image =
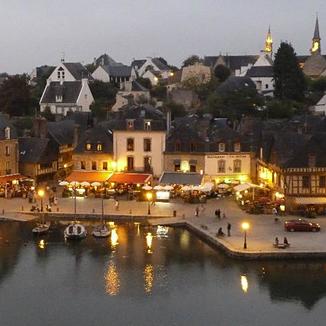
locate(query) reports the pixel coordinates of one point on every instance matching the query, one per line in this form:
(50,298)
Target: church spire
(269,42)
(316,39)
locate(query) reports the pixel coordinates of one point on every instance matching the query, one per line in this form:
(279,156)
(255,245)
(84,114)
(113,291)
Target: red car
(301,225)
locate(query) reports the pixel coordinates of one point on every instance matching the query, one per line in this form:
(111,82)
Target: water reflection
(148,278)
(112,280)
(244,283)
(42,244)
(149,241)
(114,238)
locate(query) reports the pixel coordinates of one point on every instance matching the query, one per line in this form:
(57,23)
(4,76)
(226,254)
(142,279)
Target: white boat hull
(75,231)
(41,229)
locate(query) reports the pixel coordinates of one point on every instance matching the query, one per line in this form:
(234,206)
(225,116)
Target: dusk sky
(37,32)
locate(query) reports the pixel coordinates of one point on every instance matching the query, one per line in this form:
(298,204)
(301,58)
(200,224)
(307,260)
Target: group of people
(220,232)
(285,242)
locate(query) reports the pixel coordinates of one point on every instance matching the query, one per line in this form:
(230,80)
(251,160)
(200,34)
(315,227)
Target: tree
(47,114)
(159,92)
(222,73)
(15,96)
(145,82)
(191,60)
(289,79)
(177,110)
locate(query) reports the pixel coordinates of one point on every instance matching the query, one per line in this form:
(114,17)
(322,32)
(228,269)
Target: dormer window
(7,133)
(130,124)
(61,73)
(58,98)
(237,147)
(221,147)
(88,146)
(147,125)
(99,147)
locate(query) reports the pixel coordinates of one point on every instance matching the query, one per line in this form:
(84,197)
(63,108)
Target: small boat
(162,230)
(41,229)
(75,231)
(101,231)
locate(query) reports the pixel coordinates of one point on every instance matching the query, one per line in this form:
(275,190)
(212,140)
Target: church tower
(315,49)
(269,42)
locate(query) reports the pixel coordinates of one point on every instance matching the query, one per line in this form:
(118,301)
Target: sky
(38,32)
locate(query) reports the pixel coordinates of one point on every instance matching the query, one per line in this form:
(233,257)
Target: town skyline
(139,36)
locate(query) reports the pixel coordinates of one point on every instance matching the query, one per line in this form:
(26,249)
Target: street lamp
(245,227)
(40,192)
(149,197)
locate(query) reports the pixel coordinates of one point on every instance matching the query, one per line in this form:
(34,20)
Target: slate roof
(137,87)
(104,60)
(181,178)
(234,84)
(260,71)
(78,70)
(5,122)
(69,91)
(137,113)
(44,71)
(62,131)
(83,119)
(314,65)
(138,63)
(94,136)
(233,62)
(160,64)
(36,150)
(118,71)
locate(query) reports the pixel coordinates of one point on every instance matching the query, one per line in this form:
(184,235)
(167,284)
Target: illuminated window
(147,125)
(94,165)
(237,166)
(221,166)
(99,147)
(237,147)
(130,144)
(221,147)
(88,146)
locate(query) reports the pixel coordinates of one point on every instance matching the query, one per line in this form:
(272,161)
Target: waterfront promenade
(260,236)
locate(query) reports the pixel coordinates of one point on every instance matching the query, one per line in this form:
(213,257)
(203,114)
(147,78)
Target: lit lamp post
(245,227)
(40,192)
(149,197)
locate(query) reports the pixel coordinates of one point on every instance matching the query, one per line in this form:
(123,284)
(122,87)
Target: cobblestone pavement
(260,237)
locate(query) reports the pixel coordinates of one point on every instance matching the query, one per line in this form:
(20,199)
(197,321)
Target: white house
(113,73)
(320,107)
(64,96)
(69,71)
(153,76)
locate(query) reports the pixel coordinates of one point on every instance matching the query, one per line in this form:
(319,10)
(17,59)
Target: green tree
(159,92)
(15,96)
(177,110)
(191,60)
(222,73)
(289,79)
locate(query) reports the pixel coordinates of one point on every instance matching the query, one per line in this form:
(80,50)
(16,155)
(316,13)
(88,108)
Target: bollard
(174,213)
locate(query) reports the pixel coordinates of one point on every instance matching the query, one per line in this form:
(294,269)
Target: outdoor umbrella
(96,184)
(223,186)
(63,183)
(168,188)
(158,187)
(186,188)
(85,184)
(74,183)
(147,187)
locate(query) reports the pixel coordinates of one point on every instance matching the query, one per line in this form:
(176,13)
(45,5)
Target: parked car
(301,225)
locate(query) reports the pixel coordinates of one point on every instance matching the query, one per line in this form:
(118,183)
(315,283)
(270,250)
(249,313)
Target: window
(221,166)
(266,86)
(88,146)
(192,147)
(130,163)
(322,181)
(177,167)
(305,181)
(130,124)
(82,165)
(130,144)
(147,145)
(177,146)
(99,147)
(221,147)
(7,150)
(61,73)
(237,166)
(192,167)
(7,133)
(147,125)
(105,166)
(147,163)
(237,147)
(58,98)
(94,165)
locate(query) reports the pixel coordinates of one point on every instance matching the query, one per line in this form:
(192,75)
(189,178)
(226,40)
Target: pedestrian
(55,200)
(276,242)
(274,211)
(197,211)
(223,215)
(219,214)
(220,232)
(216,213)
(285,241)
(116,205)
(229,229)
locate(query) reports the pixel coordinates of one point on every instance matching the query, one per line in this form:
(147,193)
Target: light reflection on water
(148,278)
(112,280)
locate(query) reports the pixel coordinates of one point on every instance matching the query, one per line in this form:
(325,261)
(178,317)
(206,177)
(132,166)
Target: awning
(310,200)
(130,178)
(10,177)
(180,178)
(88,176)
(245,186)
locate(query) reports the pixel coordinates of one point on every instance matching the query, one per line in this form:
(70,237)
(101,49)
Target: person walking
(229,229)
(197,211)
(223,216)
(219,214)
(116,205)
